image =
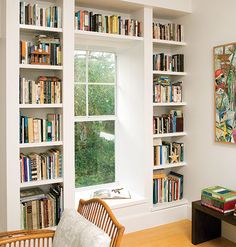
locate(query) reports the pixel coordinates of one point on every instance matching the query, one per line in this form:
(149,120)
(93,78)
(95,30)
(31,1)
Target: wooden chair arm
(23,235)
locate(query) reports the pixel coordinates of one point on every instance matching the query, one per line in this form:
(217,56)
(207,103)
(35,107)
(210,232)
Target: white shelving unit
(168,166)
(41,183)
(33,29)
(166,205)
(170,104)
(168,42)
(40,67)
(166,135)
(157,72)
(40,144)
(39,106)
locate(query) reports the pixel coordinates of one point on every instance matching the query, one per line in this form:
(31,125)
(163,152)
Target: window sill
(112,203)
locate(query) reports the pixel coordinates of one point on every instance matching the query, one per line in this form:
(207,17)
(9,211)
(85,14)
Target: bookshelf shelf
(39,106)
(165,205)
(170,104)
(157,72)
(97,36)
(168,42)
(33,29)
(170,135)
(41,67)
(168,166)
(41,183)
(40,144)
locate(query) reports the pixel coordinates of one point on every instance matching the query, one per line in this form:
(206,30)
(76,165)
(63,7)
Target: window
(95,110)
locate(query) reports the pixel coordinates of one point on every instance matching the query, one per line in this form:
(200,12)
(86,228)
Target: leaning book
(118,193)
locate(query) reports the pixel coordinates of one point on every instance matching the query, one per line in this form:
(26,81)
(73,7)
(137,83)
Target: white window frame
(97,118)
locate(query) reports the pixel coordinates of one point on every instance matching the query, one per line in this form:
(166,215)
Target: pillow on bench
(74,230)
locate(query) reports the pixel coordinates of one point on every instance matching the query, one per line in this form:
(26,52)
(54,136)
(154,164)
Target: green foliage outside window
(95,74)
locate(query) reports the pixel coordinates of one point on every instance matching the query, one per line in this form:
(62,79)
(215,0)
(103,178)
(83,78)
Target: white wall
(211,24)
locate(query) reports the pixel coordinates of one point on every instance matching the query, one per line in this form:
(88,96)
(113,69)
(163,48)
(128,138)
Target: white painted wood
(42,67)
(40,144)
(165,205)
(170,104)
(33,29)
(168,166)
(37,106)
(176,134)
(168,42)
(157,72)
(40,183)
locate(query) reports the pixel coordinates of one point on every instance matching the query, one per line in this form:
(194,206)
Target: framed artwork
(225,93)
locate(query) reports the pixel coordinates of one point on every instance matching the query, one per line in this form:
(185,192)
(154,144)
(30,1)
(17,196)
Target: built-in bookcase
(169,43)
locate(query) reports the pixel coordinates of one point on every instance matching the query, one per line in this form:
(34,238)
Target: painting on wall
(225,93)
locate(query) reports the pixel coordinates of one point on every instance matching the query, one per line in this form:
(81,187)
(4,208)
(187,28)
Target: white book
(116,193)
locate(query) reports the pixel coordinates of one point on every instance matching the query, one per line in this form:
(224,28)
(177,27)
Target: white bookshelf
(39,106)
(40,67)
(166,205)
(33,29)
(157,72)
(40,144)
(168,42)
(170,104)
(41,183)
(169,166)
(166,135)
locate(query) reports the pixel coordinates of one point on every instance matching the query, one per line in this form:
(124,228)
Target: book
(117,193)
(220,193)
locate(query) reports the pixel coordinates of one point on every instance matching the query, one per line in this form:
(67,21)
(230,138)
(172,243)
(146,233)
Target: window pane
(94,153)
(80,100)
(80,66)
(101,67)
(101,100)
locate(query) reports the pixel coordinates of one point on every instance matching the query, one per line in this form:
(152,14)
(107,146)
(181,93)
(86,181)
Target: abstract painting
(225,93)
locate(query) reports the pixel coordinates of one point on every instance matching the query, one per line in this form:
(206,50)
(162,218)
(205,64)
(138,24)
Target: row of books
(165,91)
(169,31)
(35,167)
(35,130)
(219,198)
(41,210)
(44,50)
(167,188)
(46,90)
(163,153)
(168,123)
(88,21)
(172,63)
(33,14)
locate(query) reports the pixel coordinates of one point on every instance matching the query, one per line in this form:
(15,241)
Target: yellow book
(159,176)
(30,130)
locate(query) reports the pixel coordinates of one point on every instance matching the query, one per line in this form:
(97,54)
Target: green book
(220,193)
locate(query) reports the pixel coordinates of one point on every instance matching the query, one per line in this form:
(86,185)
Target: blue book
(161,154)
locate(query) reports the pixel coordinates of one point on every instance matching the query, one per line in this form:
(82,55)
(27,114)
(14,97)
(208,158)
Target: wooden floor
(172,235)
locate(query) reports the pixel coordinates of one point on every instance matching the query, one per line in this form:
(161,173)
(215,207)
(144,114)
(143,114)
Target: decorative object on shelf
(114,24)
(170,31)
(32,14)
(219,198)
(163,153)
(174,157)
(167,188)
(45,50)
(224,84)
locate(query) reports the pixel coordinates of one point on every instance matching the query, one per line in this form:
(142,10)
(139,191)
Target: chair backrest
(98,212)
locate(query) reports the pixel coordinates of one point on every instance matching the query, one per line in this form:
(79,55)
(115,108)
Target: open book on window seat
(117,193)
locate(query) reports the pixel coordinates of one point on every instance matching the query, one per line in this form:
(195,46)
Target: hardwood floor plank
(177,234)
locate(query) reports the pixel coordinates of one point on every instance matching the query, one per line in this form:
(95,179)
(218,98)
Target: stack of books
(40,210)
(88,21)
(35,167)
(45,50)
(163,153)
(167,188)
(35,130)
(170,31)
(219,198)
(46,90)
(171,63)
(32,14)
(165,91)
(168,123)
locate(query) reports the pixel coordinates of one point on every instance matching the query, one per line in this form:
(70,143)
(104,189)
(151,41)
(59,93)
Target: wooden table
(206,223)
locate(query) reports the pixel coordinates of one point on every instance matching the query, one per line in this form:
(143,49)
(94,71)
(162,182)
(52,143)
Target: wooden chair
(95,210)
